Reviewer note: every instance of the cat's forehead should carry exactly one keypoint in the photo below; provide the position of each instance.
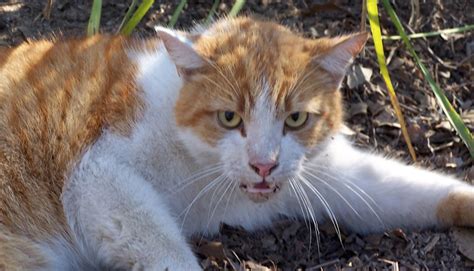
(258, 44)
(260, 60)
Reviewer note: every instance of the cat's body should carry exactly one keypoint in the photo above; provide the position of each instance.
(111, 153)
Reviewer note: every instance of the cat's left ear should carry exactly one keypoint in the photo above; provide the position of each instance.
(340, 54)
(180, 48)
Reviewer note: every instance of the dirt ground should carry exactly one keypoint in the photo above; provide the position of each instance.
(370, 120)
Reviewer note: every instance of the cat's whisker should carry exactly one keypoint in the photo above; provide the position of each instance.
(326, 205)
(234, 186)
(346, 183)
(209, 186)
(311, 212)
(303, 212)
(217, 191)
(219, 200)
(230, 184)
(324, 170)
(334, 190)
(194, 178)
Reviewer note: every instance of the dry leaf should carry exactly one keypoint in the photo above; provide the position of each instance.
(464, 238)
(357, 75)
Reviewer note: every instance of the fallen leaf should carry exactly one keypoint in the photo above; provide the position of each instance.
(212, 249)
(357, 75)
(464, 238)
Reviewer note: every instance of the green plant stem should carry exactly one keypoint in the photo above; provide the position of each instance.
(128, 15)
(443, 101)
(176, 13)
(378, 44)
(211, 13)
(137, 17)
(238, 5)
(465, 28)
(94, 19)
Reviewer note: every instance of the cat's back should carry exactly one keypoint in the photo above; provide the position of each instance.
(56, 97)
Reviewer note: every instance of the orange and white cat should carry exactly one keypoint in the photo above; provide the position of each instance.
(114, 151)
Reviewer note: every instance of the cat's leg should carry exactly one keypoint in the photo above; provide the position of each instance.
(119, 217)
(369, 193)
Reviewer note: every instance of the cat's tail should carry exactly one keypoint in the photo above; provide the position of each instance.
(19, 253)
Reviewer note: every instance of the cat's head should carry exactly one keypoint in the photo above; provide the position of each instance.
(258, 99)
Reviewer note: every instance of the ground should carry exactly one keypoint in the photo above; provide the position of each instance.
(370, 119)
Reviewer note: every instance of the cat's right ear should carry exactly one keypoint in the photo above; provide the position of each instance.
(181, 51)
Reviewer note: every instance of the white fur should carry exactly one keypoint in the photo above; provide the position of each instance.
(125, 198)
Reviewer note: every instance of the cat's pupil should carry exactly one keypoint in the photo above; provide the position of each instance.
(295, 116)
(229, 115)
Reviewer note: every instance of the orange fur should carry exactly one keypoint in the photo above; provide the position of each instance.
(243, 53)
(457, 209)
(55, 99)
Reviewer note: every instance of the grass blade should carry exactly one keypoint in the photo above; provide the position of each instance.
(465, 28)
(176, 13)
(443, 101)
(238, 5)
(94, 19)
(377, 37)
(128, 15)
(137, 17)
(211, 13)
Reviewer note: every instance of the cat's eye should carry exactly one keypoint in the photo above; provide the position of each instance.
(229, 119)
(296, 120)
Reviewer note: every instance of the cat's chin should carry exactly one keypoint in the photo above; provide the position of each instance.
(259, 192)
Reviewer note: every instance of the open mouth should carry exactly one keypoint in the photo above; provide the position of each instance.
(261, 188)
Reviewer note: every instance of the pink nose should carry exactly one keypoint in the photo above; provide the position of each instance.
(263, 169)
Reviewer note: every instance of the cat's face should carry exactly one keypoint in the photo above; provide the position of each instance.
(259, 99)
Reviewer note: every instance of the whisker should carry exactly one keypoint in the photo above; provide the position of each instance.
(346, 183)
(305, 213)
(195, 178)
(228, 199)
(311, 212)
(305, 218)
(218, 201)
(210, 185)
(323, 170)
(334, 190)
(217, 191)
(326, 205)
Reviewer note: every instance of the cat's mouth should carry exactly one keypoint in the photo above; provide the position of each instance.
(261, 191)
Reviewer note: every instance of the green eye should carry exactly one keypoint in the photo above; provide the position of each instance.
(229, 119)
(296, 120)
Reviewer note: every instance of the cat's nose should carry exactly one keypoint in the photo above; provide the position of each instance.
(263, 169)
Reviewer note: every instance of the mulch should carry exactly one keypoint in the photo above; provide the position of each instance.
(369, 116)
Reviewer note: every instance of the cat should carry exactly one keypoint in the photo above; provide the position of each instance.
(113, 151)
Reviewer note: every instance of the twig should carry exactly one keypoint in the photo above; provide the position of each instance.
(319, 266)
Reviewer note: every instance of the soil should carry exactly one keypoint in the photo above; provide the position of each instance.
(370, 119)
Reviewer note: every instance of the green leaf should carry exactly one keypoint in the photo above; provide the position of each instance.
(94, 19)
(465, 28)
(137, 17)
(211, 13)
(128, 15)
(238, 5)
(443, 101)
(176, 14)
(378, 44)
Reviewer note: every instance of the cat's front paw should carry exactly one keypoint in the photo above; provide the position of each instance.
(457, 208)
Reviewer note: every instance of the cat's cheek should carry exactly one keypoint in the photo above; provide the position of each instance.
(292, 155)
(457, 208)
